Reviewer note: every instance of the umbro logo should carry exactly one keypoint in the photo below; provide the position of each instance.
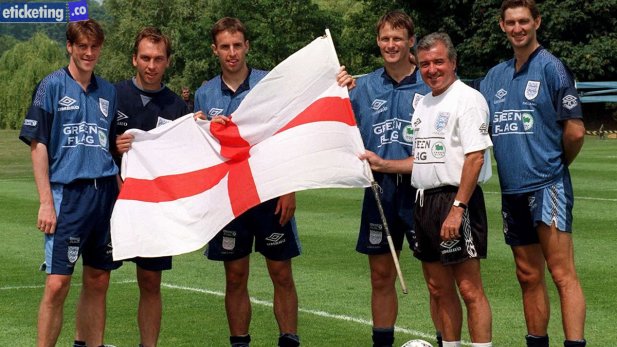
(66, 101)
(449, 244)
(67, 104)
(501, 93)
(215, 112)
(122, 116)
(274, 237)
(377, 103)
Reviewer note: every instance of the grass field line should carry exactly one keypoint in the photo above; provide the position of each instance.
(260, 302)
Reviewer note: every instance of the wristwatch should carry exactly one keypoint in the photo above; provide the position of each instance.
(459, 204)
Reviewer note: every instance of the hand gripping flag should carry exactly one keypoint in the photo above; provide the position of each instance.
(186, 180)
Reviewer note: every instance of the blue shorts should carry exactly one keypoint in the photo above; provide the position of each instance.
(274, 241)
(83, 209)
(152, 264)
(523, 212)
(397, 199)
(429, 217)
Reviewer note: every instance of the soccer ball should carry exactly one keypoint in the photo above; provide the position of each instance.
(416, 343)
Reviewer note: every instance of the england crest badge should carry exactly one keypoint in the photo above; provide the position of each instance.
(73, 253)
(442, 121)
(532, 89)
(104, 106)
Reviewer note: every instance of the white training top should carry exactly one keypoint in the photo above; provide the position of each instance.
(446, 127)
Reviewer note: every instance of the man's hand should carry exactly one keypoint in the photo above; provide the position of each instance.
(286, 206)
(46, 221)
(376, 162)
(451, 226)
(123, 143)
(344, 79)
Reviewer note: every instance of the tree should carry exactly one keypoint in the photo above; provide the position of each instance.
(21, 68)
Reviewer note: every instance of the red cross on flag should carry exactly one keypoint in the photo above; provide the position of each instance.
(186, 180)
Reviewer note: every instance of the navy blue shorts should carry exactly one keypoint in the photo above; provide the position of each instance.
(523, 212)
(83, 209)
(431, 214)
(274, 241)
(397, 199)
(152, 264)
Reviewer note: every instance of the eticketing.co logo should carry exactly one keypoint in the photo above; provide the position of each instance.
(43, 12)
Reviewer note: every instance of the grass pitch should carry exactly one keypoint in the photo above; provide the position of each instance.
(332, 279)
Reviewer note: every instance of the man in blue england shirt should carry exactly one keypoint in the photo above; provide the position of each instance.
(537, 131)
(70, 127)
(271, 224)
(145, 103)
(383, 102)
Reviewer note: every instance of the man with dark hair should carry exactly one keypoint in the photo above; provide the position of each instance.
(383, 102)
(449, 158)
(536, 125)
(145, 103)
(68, 127)
(271, 224)
(186, 96)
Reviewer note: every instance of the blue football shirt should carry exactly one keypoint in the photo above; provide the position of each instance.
(527, 109)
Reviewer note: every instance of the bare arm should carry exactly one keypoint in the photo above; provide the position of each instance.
(573, 138)
(46, 220)
(469, 178)
(378, 164)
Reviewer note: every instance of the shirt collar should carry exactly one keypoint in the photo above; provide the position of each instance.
(409, 79)
(244, 86)
(91, 86)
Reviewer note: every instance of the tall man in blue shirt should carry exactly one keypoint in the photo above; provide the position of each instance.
(384, 102)
(271, 224)
(68, 127)
(537, 131)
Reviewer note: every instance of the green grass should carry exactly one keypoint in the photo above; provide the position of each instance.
(332, 279)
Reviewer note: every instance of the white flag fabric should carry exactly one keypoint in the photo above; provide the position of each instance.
(186, 180)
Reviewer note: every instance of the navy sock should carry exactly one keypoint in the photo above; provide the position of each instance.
(577, 343)
(383, 337)
(439, 338)
(77, 343)
(240, 341)
(289, 340)
(537, 341)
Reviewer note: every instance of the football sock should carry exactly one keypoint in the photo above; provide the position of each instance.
(383, 337)
(240, 341)
(439, 338)
(79, 343)
(575, 343)
(451, 343)
(483, 344)
(289, 340)
(537, 341)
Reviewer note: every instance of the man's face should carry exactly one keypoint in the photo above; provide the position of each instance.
(394, 44)
(231, 49)
(150, 61)
(437, 70)
(84, 53)
(186, 94)
(520, 27)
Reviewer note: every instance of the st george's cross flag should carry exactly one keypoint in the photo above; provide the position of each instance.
(186, 180)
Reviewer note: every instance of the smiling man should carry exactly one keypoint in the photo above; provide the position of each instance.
(537, 128)
(68, 127)
(383, 102)
(145, 103)
(269, 225)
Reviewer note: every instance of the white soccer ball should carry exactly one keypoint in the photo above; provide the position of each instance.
(416, 343)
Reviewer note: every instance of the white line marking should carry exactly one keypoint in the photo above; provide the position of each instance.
(265, 303)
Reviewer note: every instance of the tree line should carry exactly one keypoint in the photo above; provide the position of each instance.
(580, 32)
